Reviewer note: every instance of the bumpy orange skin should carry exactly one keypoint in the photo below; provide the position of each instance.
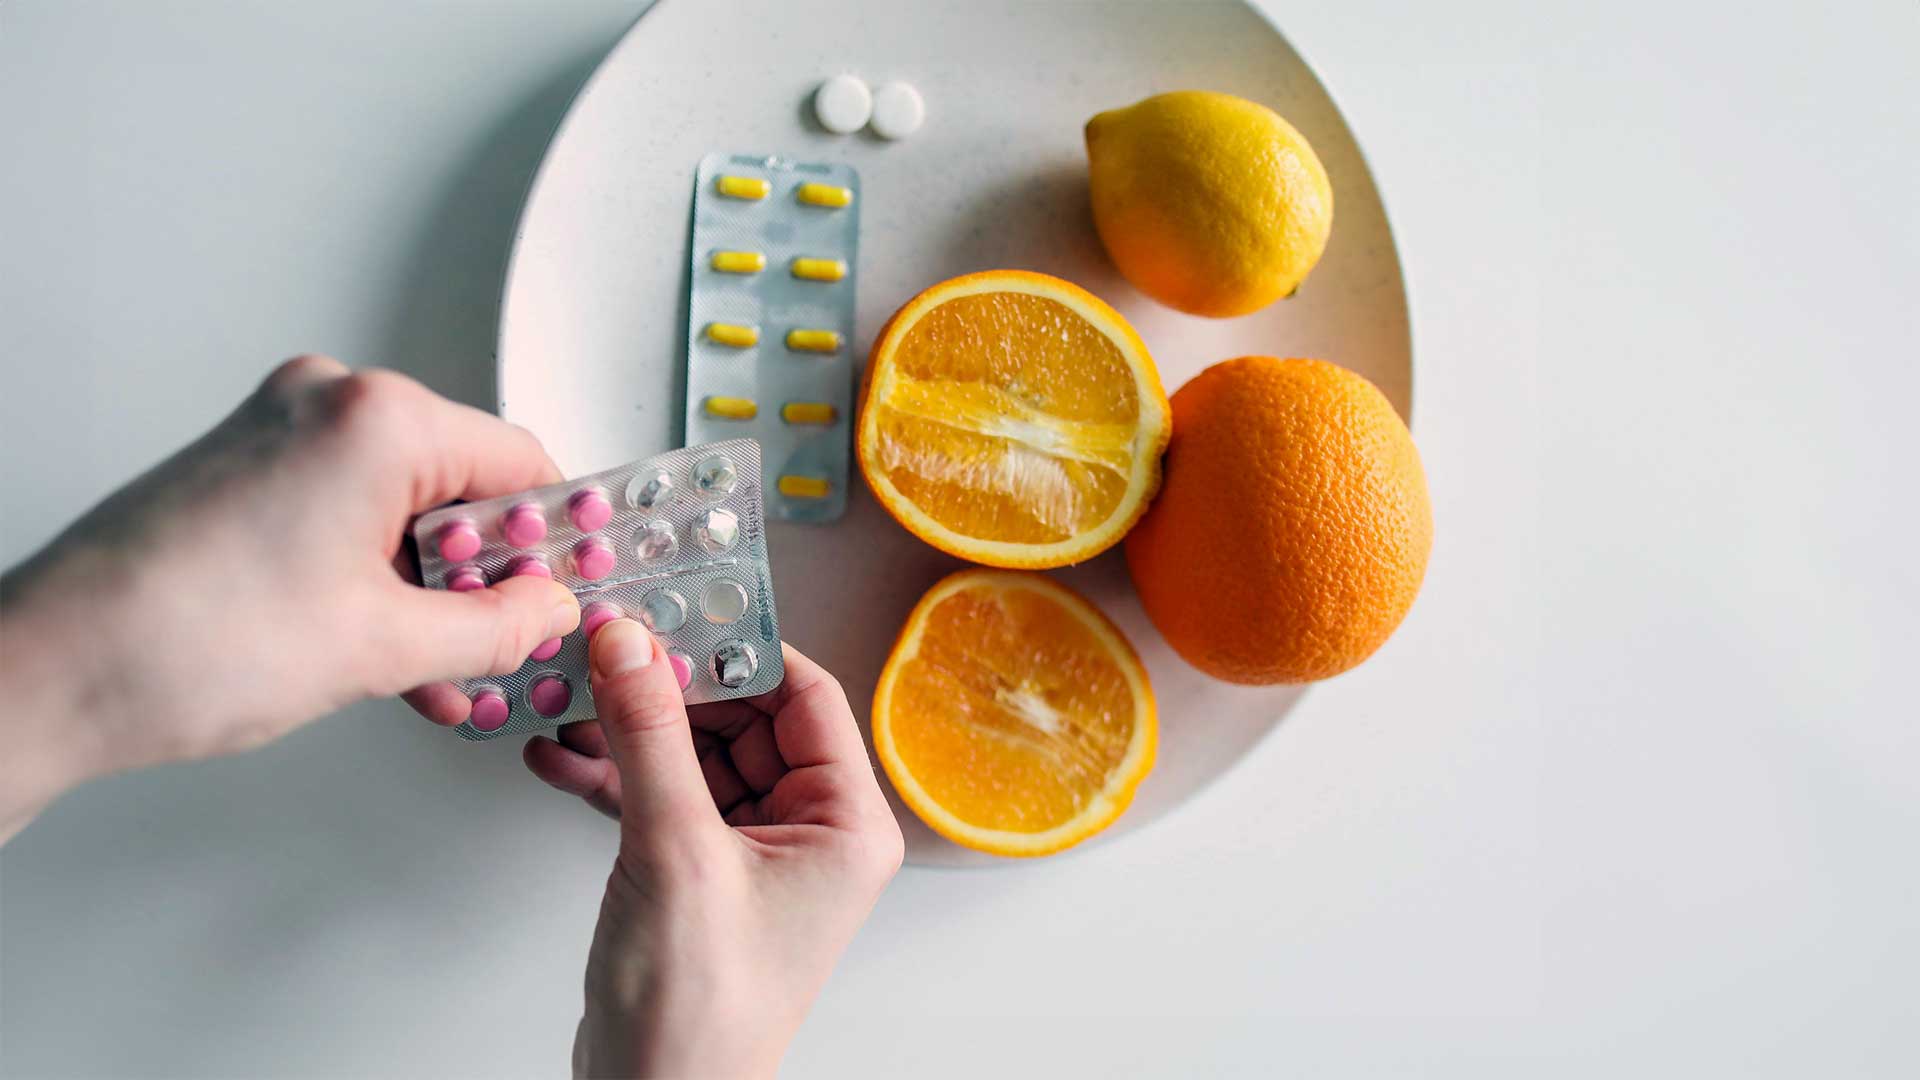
(1293, 524)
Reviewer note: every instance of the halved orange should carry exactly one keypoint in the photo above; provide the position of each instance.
(1012, 717)
(1012, 419)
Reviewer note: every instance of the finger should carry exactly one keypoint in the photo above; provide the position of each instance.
(757, 758)
(299, 373)
(647, 733)
(812, 722)
(584, 737)
(476, 455)
(723, 780)
(594, 779)
(746, 815)
(435, 634)
(440, 702)
(724, 719)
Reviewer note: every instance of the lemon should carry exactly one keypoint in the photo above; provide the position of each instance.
(1207, 202)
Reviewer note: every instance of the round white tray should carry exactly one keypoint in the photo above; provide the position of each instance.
(593, 323)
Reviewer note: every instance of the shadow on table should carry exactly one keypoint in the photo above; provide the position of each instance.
(443, 327)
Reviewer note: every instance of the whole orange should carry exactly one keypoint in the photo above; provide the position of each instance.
(1292, 528)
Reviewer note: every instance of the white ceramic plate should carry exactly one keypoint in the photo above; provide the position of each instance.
(592, 330)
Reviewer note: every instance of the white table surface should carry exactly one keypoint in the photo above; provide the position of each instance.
(1634, 790)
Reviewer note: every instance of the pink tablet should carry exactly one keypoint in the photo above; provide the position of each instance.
(529, 566)
(682, 668)
(489, 710)
(550, 695)
(465, 578)
(596, 615)
(524, 525)
(458, 541)
(589, 509)
(592, 558)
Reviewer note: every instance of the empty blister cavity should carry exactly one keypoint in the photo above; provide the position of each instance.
(723, 601)
(715, 476)
(549, 694)
(648, 490)
(734, 662)
(655, 541)
(778, 328)
(716, 530)
(588, 510)
(663, 610)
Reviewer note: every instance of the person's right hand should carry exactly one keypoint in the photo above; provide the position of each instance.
(754, 841)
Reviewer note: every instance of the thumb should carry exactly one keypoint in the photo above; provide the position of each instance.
(645, 721)
(458, 635)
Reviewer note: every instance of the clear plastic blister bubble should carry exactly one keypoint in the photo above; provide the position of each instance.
(677, 541)
(770, 323)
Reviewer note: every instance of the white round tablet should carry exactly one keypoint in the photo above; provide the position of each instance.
(897, 111)
(843, 104)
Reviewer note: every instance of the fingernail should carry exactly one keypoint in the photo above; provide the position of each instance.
(621, 646)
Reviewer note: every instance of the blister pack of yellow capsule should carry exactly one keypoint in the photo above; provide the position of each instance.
(770, 322)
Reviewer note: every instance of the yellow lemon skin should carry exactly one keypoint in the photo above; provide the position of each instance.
(1209, 203)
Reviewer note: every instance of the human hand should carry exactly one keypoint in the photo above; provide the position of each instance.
(754, 841)
(254, 581)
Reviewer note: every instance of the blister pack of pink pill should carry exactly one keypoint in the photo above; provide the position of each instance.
(677, 541)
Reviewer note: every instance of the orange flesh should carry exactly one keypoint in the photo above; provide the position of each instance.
(1011, 713)
(1010, 417)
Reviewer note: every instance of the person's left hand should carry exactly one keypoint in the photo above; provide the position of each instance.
(256, 580)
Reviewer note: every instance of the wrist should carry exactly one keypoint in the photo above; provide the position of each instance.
(54, 695)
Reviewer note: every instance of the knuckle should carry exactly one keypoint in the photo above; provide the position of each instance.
(371, 402)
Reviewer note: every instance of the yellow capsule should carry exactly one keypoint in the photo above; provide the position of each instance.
(808, 412)
(824, 195)
(813, 341)
(819, 269)
(804, 487)
(739, 262)
(743, 187)
(740, 337)
(732, 408)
